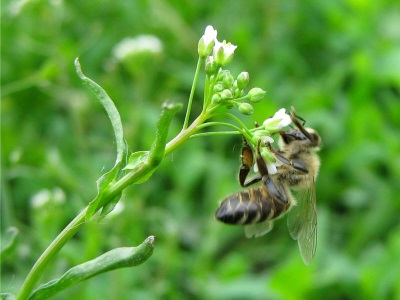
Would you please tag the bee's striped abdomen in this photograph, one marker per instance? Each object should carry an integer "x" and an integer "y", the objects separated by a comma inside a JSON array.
[{"x": 250, "y": 206}]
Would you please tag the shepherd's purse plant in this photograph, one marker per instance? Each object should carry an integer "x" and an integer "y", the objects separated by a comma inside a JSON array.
[{"x": 223, "y": 92}]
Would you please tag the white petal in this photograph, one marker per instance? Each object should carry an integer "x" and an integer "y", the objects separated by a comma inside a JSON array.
[
  {"x": 209, "y": 34},
  {"x": 271, "y": 168}
]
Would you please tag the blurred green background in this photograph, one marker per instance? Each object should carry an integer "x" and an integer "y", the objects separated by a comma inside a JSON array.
[{"x": 337, "y": 62}]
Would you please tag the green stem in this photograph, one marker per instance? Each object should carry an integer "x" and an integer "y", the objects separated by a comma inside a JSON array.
[
  {"x": 196, "y": 78},
  {"x": 38, "y": 268},
  {"x": 209, "y": 90},
  {"x": 219, "y": 133},
  {"x": 74, "y": 226},
  {"x": 208, "y": 124}
]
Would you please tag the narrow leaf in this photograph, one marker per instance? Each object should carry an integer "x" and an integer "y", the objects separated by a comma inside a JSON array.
[
  {"x": 102, "y": 184},
  {"x": 112, "y": 112},
  {"x": 114, "y": 259},
  {"x": 110, "y": 108},
  {"x": 157, "y": 150}
]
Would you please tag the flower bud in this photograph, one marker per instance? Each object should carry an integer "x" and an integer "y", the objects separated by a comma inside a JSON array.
[
  {"x": 218, "y": 88},
  {"x": 243, "y": 80},
  {"x": 245, "y": 108},
  {"x": 210, "y": 66},
  {"x": 256, "y": 94},
  {"x": 216, "y": 98},
  {"x": 221, "y": 74},
  {"x": 227, "y": 80},
  {"x": 226, "y": 94},
  {"x": 278, "y": 121},
  {"x": 267, "y": 155},
  {"x": 237, "y": 93},
  {"x": 223, "y": 52},
  {"x": 207, "y": 41}
]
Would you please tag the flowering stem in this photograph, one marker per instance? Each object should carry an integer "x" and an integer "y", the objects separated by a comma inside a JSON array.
[
  {"x": 196, "y": 78},
  {"x": 38, "y": 268},
  {"x": 240, "y": 131},
  {"x": 214, "y": 133}
]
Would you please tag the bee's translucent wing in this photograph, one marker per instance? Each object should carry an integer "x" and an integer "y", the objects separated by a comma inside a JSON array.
[
  {"x": 258, "y": 229},
  {"x": 302, "y": 223}
]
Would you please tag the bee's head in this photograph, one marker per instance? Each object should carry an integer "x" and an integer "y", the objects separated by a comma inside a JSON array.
[
  {"x": 300, "y": 136},
  {"x": 308, "y": 137}
]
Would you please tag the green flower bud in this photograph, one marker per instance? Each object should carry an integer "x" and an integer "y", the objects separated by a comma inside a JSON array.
[
  {"x": 256, "y": 94},
  {"x": 210, "y": 66},
  {"x": 237, "y": 93},
  {"x": 218, "y": 88},
  {"x": 222, "y": 74},
  {"x": 227, "y": 80},
  {"x": 243, "y": 80},
  {"x": 245, "y": 108},
  {"x": 267, "y": 155},
  {"x": 216, "y": 98},
  {"x": 226, "y": 94}
]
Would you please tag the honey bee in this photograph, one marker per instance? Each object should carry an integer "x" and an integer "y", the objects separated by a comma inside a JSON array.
[{"x": 257, "y": 208}]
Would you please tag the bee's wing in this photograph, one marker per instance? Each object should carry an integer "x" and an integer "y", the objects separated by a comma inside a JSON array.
[
  {"x": 258, "y": 229},
  {"x": 302, "y": 223}
]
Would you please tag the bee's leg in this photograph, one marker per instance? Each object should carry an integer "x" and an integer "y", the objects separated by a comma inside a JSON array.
[
  {"x": 295, "y": 119},
  {"x": 247, "y": 163},
  {"x": 277, "y": 191},
  {"x": 294, "y": 164}
]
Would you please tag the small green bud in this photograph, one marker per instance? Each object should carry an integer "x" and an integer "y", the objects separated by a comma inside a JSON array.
[
  {"x": 245, "y": 108},
  {"x": 216, "y": 98},
  {"x": 218, "y": 88},
  {"x": 243, "y": 80},
  {"x": 221, "y": 74},
  {"x": 227, "y": 80},
  {"x": 237, "y": 93},
  {"x": 226, "y": 94},
  {"x": 267, "y": 155},
  {"x": 256, "y": 94},
  {"x": 210, "y": 66}
]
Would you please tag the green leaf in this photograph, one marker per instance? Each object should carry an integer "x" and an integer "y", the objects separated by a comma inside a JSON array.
[
  {"x": 102, "y": 185},
  {"x": 111, "y": 176},
  {"x": 114, "y": 259},
  {"x": 136, "y": 159},
  {"x": 109, "y": 206},
  {"x": 157, "y": 150},
  {"x": 110, "y": 108}
]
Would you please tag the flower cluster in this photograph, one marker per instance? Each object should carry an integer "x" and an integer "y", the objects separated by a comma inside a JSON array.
[{"x": 223, "y": 88}]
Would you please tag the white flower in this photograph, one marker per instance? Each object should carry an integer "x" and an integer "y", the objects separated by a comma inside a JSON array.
[
  {"x": 206, "y": 43},
  {"x": 45, "y": 197},
  {"x": 223, "y": 52},
  {"x": 210, "y": 33},
  {"x": 278, "y": 121},
  {"x": 272, "y": 167},
  {"x": 139, "y": 44}
]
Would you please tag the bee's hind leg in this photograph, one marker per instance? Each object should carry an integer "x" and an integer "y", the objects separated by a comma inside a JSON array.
[{"x": 275, "y": 188}]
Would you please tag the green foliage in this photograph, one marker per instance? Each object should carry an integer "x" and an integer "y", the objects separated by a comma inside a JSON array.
[
  {"x": 336, "y": 62},
  {"x": 111, "y": 260}
]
